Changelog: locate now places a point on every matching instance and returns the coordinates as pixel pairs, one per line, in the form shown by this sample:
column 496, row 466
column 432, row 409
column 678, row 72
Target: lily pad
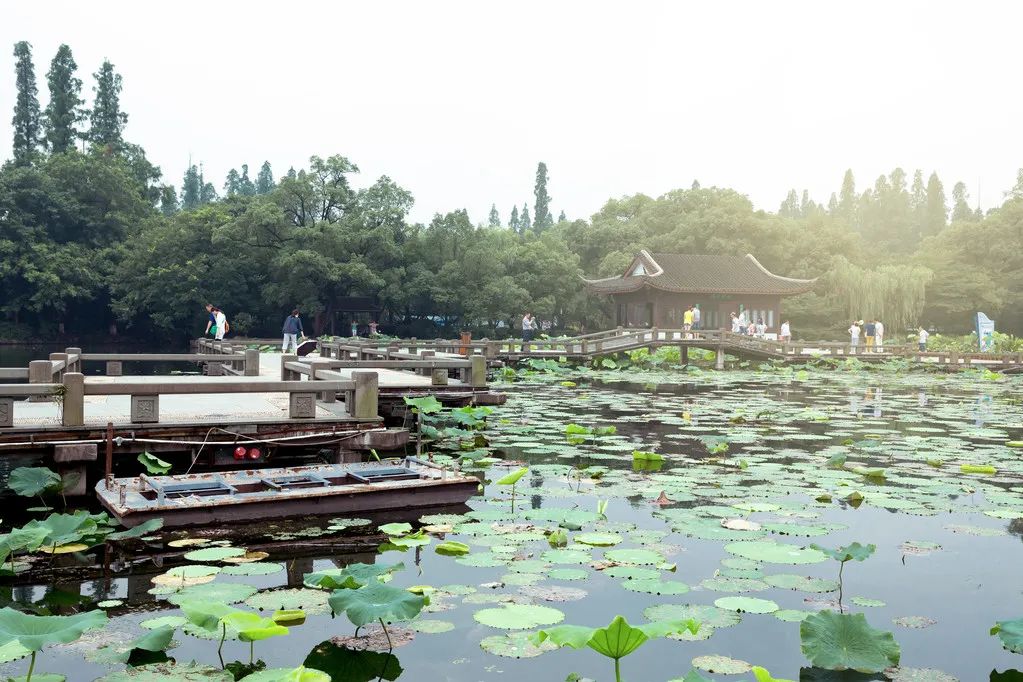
column 775, row 552
column 634, row 557
column 519, row 616
column 746, row 604
column 721, row 664
column 837, row 641
column 214, row 553
column 514, row 645
column 227, row 593
column 170, row 672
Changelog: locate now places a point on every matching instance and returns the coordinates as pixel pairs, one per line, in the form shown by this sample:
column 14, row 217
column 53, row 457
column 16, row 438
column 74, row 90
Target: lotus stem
column 252, row 647
column 618, row 670
column 390, row 645
column 31, row 666
column 220, row 647
column 841, row 565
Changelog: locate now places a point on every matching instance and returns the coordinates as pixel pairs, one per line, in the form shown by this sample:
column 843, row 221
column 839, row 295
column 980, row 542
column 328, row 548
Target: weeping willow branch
column 894, row 294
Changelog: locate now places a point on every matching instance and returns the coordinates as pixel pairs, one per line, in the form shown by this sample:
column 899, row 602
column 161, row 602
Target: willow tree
column 894, row 294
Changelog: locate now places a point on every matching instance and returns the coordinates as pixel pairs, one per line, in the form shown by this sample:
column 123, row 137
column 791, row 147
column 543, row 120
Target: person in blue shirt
column 292, row 328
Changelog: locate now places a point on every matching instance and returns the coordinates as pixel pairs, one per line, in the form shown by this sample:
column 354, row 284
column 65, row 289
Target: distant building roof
column 685, row 273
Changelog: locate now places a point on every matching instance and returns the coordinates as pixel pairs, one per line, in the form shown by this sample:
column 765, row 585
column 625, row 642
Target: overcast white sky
column 457, row 101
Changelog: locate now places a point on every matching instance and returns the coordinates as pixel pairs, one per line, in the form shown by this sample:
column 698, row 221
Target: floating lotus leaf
column 801, row 583
column 431, row 626
column 154, row 641
column 870, row 603
column 567, row 574
column 313, row 602
column 634, row 557
column 915, row 622
column 1011, row 634
column 376, row 601
column 139, row 531
column 854, row 552
column 514, row 645
column 631, row 572
column 351, row 665
column 482, row 560
column 33, row 481
column 554, row 593
column 188, row 542
column 452, row 548
column 598, row 539
column 214, row 553
column 565, row 556
column 12, row 651
column 153, row 464
column 656, row 586
column 395, row 528
column 746, row 604
column 704, row 614
column 252, row 627
column 721, row 664
column 164, row 621
column 255, row 568
column 342, row 523
column 791, row 615
column 110, row 603
column 901, row 674
column 170, row 672
column 835, row 641
column 228, row 593
column 519, row 616
column 775, row 552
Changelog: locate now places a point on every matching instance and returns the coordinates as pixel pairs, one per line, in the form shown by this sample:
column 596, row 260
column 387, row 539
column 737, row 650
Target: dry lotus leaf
column 64, row 549
column 188, row 542
column 373, row 638
column 439, row 528
column 739, row 524
column 248, row 557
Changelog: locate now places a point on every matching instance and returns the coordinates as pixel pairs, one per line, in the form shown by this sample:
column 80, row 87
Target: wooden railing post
column 251, row 362
column 73, row 408
column 364, row 402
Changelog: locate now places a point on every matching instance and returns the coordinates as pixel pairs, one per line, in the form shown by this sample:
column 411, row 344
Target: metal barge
column 259, row 494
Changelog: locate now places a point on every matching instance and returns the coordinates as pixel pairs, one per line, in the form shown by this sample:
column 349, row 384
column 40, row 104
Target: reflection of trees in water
column 1015, row 527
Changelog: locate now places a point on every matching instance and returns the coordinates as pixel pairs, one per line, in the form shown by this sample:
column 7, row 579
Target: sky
column 458, row 101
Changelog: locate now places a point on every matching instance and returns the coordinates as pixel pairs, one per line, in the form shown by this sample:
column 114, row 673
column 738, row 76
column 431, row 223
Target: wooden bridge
column 620, row 340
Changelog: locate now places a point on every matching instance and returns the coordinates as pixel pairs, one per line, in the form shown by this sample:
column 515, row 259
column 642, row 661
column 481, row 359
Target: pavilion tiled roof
column 697, row 274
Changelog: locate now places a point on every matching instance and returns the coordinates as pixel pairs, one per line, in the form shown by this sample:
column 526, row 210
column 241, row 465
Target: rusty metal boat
column 257, row 494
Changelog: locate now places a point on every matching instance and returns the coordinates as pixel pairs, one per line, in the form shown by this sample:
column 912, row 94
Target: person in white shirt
column 854, row 334
column 785, row 334
column 923, row 339
column 878, row 336
column 736, row 324
column 222, row 326
column 761, row 328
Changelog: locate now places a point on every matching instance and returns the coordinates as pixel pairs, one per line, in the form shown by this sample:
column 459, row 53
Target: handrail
column 210, row 385
column 159, row 357
column 23, row 390
column 13, row 372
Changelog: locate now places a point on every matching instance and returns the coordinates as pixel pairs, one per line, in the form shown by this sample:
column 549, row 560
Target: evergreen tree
column 524, row 222
column 833, row 204
column 265, row 179
column 207, row 193
column 542, row 206
column 790, row 207
column 806, row 204
column 26, row 106
column 561, row 217
column 847, row 202
column 106, row 120
column 168, row 200
column 64, row 111
column 233, row 184
column 495, row 217
column 1017, row 190
column 696, row 184
column 292, row 174
column 245, row 186
column 191, row 189
column 514, row 222
column 960, row 206
column 936, row 217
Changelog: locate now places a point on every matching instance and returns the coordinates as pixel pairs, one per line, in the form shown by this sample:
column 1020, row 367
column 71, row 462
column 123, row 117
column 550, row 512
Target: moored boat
column 255, row 494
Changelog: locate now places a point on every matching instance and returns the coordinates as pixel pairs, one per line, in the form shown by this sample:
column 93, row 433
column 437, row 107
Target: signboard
column 985, row 333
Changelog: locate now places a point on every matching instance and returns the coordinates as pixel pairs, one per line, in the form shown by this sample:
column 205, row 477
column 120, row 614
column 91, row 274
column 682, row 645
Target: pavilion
column 657, row 288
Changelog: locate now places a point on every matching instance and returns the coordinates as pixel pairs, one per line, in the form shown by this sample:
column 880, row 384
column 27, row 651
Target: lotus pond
column 800, row 522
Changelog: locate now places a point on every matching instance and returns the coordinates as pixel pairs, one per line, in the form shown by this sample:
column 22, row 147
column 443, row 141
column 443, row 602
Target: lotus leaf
column 1011, row 634
column 156, row 640
column 519, row 616
column 854, row 552
column 143, row 529
column 255, row 568
column 721, row 664
column 215, row 592
column 252, row 627
column 289, row 617
column 214, row 553
column 634, row 557
column 425, row 405
column 746, row 604
column 762, row 675
column 513, row 477
column 775, row 552
column 377, row 602
column 452, row 548
column 352, row 576
column 33, row 481
column 514, row 645
column 168, row 672
column 153, row 464
column 299, row 674
column 395, row 528
column 34, row 632
column 836, row 641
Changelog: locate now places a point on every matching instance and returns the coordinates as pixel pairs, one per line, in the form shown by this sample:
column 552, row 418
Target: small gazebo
column 657, row 288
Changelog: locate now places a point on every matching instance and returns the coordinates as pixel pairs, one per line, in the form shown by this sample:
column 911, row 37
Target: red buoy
column 239, row 452
column 254, row 453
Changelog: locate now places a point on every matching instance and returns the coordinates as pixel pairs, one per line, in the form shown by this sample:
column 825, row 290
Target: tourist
column 878, row 336
column 696, row 316
column 854, row 334
column 761, row 329
column 687, row 320
column 528, row 325
column 751, row 329
column 355, row 329
column 868, row 335
column 736, row 323
column 211, row 324
column 222, row 326
column 292, row 328
column 923, row 339
column 373, row 329
column 785, row 333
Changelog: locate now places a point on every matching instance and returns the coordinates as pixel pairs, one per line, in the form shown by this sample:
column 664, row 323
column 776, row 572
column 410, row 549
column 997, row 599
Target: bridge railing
column 472, row 370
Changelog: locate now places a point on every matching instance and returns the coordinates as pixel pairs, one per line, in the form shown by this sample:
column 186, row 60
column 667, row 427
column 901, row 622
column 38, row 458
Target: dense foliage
column 91, row 241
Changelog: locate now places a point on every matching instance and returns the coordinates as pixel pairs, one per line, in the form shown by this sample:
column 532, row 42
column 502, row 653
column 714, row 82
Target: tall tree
column 960, row 203
column 265, row 179
column 26, row 106
column 64, row 110
column 833, row 204
column 232, row 184
column 245, row 186
column 106, row 120
column 806, row 204
column 514, row 223
column 847, row 201
column 790, row 207
column 542, row 206
column 495, row 217
column 168, row 200
column 1017, row 190
column 561, row 217
column 207, row 193
column 191, row 189
column 524, row 223
column 936, row 217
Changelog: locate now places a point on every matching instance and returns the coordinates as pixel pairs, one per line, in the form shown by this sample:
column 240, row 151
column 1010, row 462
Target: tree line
column 92, row 242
